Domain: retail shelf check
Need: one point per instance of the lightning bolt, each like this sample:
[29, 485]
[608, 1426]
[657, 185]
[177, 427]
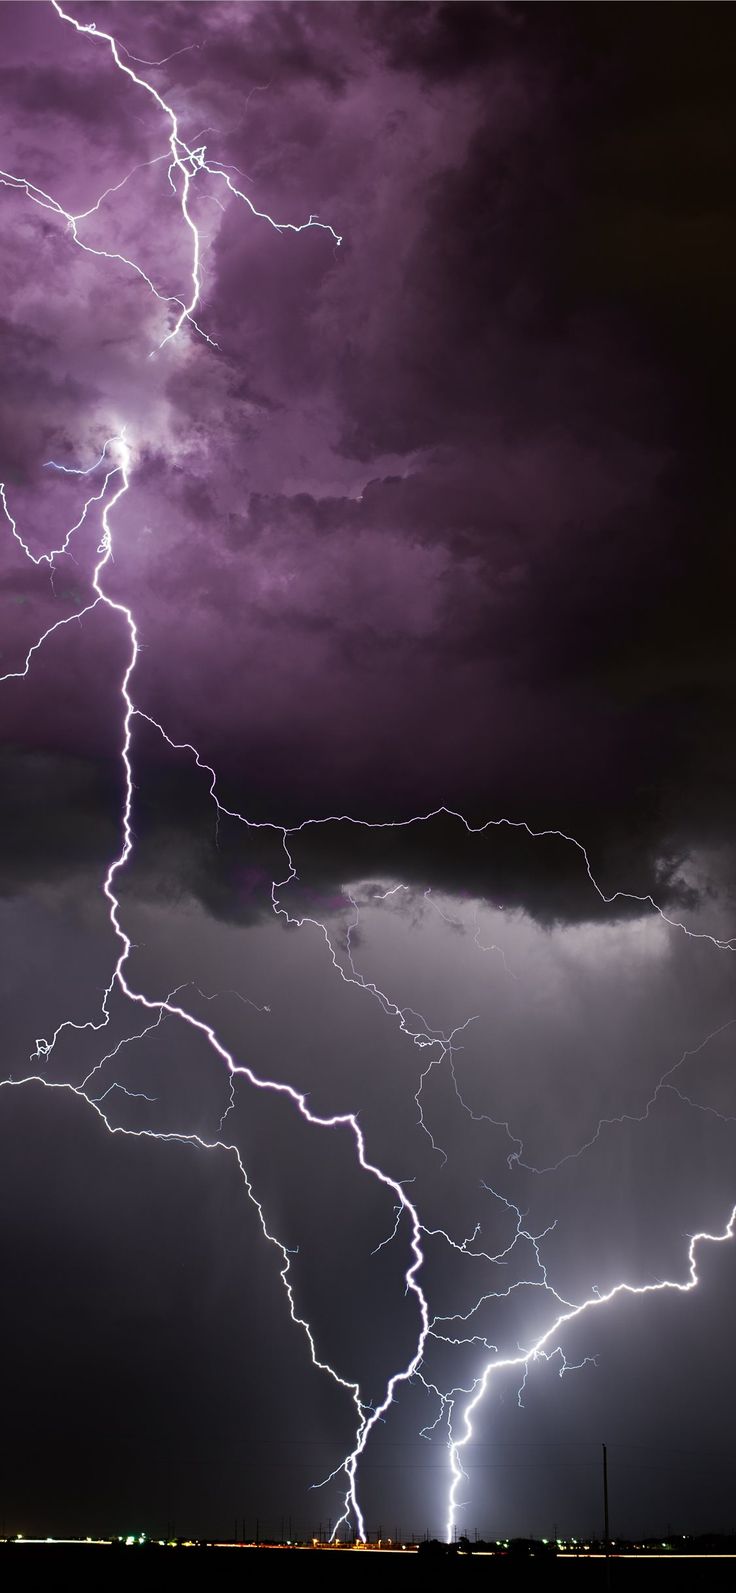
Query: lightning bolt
[539, 1351]
[188, 164]
[121, 454]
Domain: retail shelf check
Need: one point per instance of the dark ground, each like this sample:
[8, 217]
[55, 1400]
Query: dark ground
[103, 1567]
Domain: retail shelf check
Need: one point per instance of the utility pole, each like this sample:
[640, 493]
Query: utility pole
[605, 1499]
[606, 1532]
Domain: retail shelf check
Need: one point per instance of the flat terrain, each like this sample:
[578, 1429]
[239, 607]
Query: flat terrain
[38, 1565]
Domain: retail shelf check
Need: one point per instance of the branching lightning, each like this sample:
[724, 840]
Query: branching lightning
[540, 1351]
[187, 165]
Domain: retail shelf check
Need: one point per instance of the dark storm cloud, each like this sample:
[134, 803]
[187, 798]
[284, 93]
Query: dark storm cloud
[33, 397]
[60, 819]
[290, 44]
[441, 41]
[79, 96]
[613, 533]
[59, 813]
[527, 530]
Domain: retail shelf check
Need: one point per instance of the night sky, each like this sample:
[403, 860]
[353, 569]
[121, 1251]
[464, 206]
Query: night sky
[438, 517]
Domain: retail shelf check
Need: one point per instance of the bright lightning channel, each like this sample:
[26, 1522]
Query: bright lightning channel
[186, 163]
[539, 1351]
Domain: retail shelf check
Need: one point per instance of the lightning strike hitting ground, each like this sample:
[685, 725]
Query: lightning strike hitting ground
[539, 1351]
[189, 164]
